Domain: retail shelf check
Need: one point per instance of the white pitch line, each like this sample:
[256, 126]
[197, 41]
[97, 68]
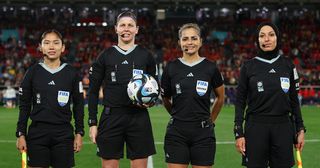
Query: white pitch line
[150, 162]
[161, 143]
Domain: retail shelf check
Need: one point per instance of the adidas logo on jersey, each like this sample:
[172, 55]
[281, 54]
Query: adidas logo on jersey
[272, 71]
[125, 62]
[190, 74]
[51, 83]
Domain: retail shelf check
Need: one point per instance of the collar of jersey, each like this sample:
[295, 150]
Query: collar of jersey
[53, 71]
[191, 64]
[268, 61]
[125, 52]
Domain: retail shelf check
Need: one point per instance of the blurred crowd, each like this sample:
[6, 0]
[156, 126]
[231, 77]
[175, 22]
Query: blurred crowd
[227, 39]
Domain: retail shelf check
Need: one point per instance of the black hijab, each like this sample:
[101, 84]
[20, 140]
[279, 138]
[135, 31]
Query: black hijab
[268, 54]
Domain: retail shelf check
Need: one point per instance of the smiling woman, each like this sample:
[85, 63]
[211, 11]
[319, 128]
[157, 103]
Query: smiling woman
[189, 82]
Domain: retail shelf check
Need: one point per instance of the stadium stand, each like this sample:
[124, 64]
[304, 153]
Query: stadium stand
[227, 33]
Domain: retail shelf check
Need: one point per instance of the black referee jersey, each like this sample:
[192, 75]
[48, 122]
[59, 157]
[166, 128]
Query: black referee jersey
[268, 88]
[113, 69]
[190, 86]
[49, 93]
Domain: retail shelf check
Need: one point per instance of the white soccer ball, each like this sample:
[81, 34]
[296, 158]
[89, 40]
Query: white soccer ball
[143, 89]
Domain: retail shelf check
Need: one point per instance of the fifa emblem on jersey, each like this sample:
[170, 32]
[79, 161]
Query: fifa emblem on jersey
[260, 86]
[285, 84]
[63, 97]
[136, 72]
[202, 87]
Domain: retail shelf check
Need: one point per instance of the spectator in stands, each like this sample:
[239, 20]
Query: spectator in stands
[9, 97]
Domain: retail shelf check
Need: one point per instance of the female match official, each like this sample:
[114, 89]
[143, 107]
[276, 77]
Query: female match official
[121, 121]
[46, 93]
[267, 89]
[189, 81]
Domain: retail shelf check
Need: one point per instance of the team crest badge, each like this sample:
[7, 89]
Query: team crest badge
[136, 72]
[202, 87]
[285, 84]
[63, 97]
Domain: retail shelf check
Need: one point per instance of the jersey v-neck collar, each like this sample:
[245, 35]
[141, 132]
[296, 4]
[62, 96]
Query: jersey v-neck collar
[191, 64]
[125, 52]
[268, 61]
[53, 71]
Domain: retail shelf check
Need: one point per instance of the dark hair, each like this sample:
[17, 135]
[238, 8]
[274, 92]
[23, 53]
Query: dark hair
[51, 31]
[127, 13]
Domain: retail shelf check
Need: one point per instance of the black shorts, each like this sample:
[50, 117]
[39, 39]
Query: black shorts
[269, 144]
[50, 145]
[190, 142]
[125, 125]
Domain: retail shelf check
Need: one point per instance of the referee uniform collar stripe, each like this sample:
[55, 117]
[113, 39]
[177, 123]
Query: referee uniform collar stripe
[53, 71]
[268, 61]
[125, 52]
[191, 64]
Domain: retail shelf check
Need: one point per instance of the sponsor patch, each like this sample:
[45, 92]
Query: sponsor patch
[260, 86]
[178, 88]
[38, 98]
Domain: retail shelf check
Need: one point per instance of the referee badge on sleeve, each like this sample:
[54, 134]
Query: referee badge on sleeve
[63, 97]
[285, 84]
[202, 87]
[80, 87]
[295, 74]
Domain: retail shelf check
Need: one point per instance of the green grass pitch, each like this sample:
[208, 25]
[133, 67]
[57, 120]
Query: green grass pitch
[226, 155]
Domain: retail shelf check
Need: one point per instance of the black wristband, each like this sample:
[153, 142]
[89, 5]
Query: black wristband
[238, 131]
[302, 128]
[81, 133]
[19, 134]
[92, 122]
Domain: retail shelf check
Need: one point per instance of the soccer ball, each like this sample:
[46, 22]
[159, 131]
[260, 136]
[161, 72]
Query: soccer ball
[143, 89]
